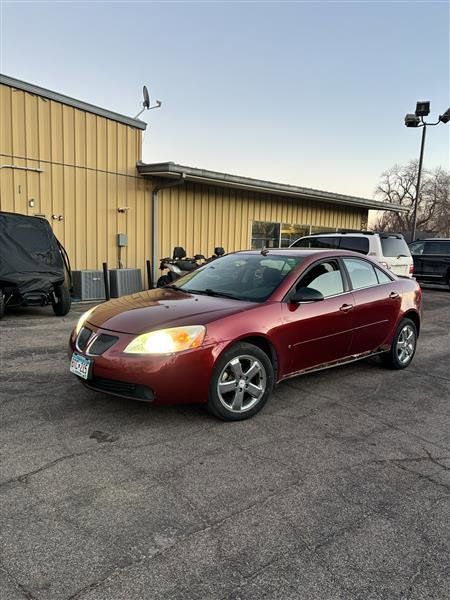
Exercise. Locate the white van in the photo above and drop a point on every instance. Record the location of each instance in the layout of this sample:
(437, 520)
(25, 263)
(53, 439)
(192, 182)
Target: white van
(390, 249)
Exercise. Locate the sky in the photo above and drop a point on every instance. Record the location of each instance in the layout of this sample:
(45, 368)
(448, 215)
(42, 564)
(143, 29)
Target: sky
(307, 93)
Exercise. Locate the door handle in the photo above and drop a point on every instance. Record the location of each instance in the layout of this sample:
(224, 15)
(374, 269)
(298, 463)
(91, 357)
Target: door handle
(393, 295)
(346, 307)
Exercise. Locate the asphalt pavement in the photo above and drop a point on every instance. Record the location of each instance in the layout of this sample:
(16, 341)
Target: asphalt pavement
(338, 489)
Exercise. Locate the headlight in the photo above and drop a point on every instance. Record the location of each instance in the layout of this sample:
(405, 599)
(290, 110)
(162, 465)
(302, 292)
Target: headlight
(167, 341)
(82, 320)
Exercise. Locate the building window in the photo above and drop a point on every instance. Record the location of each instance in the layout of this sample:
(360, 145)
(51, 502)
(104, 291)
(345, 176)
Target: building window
(290, 233)
(267, 234)
(321, 229)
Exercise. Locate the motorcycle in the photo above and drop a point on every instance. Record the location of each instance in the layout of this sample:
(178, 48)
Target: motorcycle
(179, 265)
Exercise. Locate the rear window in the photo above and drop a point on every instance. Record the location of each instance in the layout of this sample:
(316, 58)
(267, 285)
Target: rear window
(318, 242)
(437, 247)
(362, 274)
(393, 246)
(356, 244)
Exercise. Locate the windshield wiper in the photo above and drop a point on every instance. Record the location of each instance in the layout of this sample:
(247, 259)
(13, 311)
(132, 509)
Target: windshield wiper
(172, 286)
(210, 292)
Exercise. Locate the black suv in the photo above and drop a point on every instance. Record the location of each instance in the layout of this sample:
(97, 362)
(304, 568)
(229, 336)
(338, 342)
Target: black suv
(432, 260)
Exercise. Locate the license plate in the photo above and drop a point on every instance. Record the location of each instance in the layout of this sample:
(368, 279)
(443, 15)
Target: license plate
(81, 366)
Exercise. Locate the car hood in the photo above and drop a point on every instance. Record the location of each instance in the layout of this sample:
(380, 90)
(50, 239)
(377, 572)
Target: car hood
(157, 309)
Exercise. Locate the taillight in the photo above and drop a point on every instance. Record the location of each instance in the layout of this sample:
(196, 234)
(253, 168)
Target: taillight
(411, 269)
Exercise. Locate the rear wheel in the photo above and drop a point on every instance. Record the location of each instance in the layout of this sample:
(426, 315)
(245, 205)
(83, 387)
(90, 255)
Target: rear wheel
(403, 346)
(2, 304)
(62, 304)
(241, 384)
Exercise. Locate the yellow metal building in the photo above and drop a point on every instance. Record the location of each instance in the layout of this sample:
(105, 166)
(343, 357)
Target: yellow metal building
(80, 166)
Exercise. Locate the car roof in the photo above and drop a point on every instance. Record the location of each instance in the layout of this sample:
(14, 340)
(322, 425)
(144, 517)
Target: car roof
(366, 234)
(432, 240)
(302, 252)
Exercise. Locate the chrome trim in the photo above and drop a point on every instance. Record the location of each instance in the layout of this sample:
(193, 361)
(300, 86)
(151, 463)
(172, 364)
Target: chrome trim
(336, 363)
(91, 341)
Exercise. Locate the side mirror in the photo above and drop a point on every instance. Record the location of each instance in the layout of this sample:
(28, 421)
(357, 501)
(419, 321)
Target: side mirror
(305, 294)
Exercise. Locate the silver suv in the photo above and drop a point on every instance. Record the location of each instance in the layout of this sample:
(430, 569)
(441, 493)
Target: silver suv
(389, 249)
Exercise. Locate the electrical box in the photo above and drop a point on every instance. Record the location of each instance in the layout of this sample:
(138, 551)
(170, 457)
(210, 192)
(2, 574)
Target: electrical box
(122, 240)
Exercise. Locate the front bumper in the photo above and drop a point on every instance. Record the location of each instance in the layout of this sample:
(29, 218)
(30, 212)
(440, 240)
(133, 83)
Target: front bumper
(166, 379)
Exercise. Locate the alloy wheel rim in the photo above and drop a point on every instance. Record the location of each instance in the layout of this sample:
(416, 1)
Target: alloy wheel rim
(242, 383)
(406, 344)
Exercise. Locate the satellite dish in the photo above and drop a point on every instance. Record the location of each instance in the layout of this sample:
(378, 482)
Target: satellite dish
(146, 103)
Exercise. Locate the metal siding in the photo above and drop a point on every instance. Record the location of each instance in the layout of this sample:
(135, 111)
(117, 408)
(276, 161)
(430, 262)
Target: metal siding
(6, 145)
(89, 170)
(200, 217)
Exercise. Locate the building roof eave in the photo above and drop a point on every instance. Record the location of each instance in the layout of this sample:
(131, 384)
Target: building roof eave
(18, 84)
(173, 170)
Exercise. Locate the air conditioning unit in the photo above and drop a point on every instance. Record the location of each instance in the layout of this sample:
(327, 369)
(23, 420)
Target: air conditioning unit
(124, 281)
(88, 285)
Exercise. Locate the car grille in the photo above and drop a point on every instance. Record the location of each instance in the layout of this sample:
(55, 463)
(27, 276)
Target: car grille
(121, 388)
(83, 338)
(102, 343)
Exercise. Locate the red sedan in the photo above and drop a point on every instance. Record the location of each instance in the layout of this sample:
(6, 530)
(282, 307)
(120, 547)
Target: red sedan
(225, 334)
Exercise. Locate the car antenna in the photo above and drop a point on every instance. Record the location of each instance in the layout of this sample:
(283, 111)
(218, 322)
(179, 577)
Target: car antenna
(264, 251)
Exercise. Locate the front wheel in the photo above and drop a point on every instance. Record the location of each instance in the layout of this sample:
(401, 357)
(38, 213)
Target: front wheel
(403, 346)
(61, 305)
(241, 384)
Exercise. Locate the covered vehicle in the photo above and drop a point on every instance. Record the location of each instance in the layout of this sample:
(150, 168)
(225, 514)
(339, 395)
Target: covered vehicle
(33, 264)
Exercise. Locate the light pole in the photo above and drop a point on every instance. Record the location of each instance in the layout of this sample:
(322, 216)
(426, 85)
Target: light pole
(416, 120)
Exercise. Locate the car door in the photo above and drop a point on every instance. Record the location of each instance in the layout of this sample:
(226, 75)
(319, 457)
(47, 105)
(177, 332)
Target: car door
(377, 303)
(436, 258)
(317, 333)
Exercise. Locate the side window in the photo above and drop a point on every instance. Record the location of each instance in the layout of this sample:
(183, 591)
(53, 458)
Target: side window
(362, 274)
(324, 277)
(381, 276)
(357, 244)
(317, 242)
(437, 247)
(325, 242)
(417, 248)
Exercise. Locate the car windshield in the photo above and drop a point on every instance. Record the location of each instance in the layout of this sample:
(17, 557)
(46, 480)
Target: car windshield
(250, 277)
(393, 246)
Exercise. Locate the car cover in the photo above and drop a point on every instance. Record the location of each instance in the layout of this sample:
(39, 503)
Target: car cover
(30, 256)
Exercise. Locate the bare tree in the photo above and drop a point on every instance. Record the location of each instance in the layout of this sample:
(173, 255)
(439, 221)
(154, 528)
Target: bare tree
(398, 185)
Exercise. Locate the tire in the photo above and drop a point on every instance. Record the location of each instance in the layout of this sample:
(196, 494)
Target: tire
(396, 358)
(2, 305)
(62, 306)
(232, 371)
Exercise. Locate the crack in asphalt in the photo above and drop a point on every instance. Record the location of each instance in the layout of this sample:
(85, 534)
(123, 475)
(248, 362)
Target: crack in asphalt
(422, 476)
(25, 476)
(182, 538)
(26, 592)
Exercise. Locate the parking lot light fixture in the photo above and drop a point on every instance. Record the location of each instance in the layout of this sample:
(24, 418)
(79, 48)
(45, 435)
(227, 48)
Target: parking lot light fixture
(423, 108)
(445, 118)
(416, 120)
